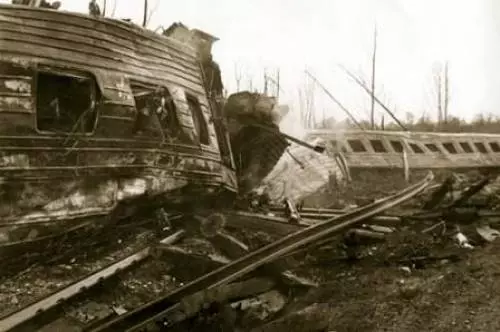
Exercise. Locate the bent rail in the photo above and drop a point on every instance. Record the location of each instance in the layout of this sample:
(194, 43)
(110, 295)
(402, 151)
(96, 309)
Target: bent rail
(154, 313)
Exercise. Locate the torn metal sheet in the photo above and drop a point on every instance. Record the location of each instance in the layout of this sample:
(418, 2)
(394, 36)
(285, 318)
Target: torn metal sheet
(299, 173)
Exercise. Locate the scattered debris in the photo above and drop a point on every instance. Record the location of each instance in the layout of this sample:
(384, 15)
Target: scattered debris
(487, 233)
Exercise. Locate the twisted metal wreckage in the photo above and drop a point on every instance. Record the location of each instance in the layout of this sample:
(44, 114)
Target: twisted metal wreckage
(100, 118)
(98, 113)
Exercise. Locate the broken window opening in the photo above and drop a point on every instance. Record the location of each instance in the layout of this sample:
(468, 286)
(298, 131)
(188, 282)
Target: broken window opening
(397, 146)
(199, 121)
(66, 103)
(466, 147)
(356, 145)
(378, 146)
(415, 148)
(450, 148)
(432, 147)
(495, 146)
(480, 147)
(156, 110)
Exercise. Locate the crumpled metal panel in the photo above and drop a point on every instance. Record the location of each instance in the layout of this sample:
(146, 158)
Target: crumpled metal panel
(299, 173)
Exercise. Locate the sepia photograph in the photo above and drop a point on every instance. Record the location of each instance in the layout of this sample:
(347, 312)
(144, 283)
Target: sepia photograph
(249, 165)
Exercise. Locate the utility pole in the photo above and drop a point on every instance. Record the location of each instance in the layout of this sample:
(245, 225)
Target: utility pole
(104, 8)
(374, 58)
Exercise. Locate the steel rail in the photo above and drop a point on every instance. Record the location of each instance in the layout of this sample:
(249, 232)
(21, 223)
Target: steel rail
(153, 314)
(32, 310)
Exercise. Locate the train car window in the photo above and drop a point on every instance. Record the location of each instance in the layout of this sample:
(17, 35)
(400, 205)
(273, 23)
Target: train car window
(495, 146)
(480, 147)
(415, 148)
(432, 147)
(377, 146)
(200, 123)
(356, 145)
(156, 110)
(397, 146)
(466, 147)
(450, 148)
(66, 103)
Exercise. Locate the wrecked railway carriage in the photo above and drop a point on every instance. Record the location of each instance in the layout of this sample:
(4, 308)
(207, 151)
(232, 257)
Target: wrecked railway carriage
(418, 150)
(95, 112)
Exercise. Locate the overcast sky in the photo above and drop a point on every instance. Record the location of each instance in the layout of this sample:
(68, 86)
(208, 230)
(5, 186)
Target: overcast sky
(413, 35)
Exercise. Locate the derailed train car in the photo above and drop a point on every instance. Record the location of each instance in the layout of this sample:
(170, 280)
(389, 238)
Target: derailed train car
(372, 150)
(95, 112)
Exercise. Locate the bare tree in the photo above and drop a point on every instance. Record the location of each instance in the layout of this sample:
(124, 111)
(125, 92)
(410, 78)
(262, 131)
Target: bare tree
(306, 102)
(237, 76)
(152, 11)
(250, 83)
(441, 82)
(335, 100)
(367, 90)
(114, 8)
(265, 81)
(438, 83)
(145, 13)
(302, 107)
(446, 92)
(278, 83)
(374, 57)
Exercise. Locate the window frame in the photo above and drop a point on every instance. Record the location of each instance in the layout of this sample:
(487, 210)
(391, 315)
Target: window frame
(482, 150)
(455, 151)
(415, 145)
(151, 88)
(72, 73)
(378, 141)
(469, 149)
(497, 146)
(200, 111)
(356, 140)
(395, 143)
(437, 149)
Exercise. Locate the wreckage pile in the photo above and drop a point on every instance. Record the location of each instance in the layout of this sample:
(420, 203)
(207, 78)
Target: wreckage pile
(408, 270)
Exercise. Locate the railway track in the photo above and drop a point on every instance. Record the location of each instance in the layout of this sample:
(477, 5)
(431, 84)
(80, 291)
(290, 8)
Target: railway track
(164, 311)
(159, 313)
(16, 256)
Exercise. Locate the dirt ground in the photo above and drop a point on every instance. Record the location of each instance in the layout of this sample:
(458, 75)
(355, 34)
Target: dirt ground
(412, 282)
(409, 282)
(382, 292)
